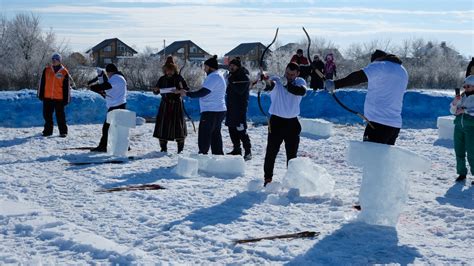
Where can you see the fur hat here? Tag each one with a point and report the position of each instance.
(111, 68)
(377, 54)
(236, 62)
(212, 62)
(170, 64)
(469, 80)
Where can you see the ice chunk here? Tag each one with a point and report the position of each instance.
(187, 167)
(255, 185)
(316, 127)
(446, 127)
(273, 187)
(140, 121)
(310, 178)
(120, 121)
(221, 165)
(384, 188)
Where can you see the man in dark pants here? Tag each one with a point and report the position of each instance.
(387, 82)
(212, 105)
(316, 80)
(284, 124)
(54, 91)
(115, 89)
(237, 101)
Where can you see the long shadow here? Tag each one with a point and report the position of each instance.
(91, 159)
(458, 197)
(144, 178)
(447, 143)
(13, 142)
(313, 137)
(360, 244)
(223, 213)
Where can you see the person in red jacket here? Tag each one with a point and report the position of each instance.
(54, 91)
(302, 62)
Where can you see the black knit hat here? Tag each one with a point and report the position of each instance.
(377, 54)
(212, 62)
(111, 68)
(236, 62)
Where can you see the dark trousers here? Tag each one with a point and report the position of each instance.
(381, 133)
(237, 136)
(209, 134)
(105, 127)
(282, 129)
(50, 106)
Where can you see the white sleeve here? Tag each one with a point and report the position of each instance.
(167, 90)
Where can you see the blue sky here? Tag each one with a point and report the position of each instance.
(220, 25)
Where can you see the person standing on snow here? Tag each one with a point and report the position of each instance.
(387, 82)
(302, 62)
(463, 108)
(115, 90)
(316, 80)
(237, 101)
(170, 124)
(284, 109)
(55, 94)
(330, 67)
(212, 106)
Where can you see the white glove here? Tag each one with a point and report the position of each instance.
(329, 86)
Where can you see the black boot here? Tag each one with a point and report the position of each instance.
(248, 156)
(461, 178)
(235, 152)
(163, 145)
(266, 181)
(180, 145)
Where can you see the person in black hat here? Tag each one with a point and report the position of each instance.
(212, 104)
(387, 82)
(302, 62)
(115, 90)
(237, 101)
(316, 80)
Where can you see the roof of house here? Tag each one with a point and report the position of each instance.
(175, 46)
(244, 48)
(106, 42)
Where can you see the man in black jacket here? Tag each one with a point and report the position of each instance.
(316, 80)
(237, 100)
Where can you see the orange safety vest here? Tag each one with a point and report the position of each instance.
(53, 83)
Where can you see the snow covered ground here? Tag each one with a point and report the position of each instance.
(51, 214)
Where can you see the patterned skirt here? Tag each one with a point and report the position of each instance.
(170, 123)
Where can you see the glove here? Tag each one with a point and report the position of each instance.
(329, 86)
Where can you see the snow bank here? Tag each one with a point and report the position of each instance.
(421, 108)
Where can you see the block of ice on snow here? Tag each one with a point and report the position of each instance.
(445, 126)
(384, 188)
(122, 117)
(310, 178)
(255, 185)
(221, 165)
(120, 121)
(316, 127)
(187, 167)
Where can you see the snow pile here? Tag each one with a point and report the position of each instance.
(221, 165)
(446, 127)
(316, 127)
(420, 109)
(187, 167)
(120, 122)
(309, 178)
(384, 189)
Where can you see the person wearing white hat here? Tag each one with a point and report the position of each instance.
(463, 108)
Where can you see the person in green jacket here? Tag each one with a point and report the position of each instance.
(463, 108)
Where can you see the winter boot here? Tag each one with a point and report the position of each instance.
(248, 156)
(267, 180)
(461, 178)
(180, 145)
(235, 152)
(99, 149)
(163, 145)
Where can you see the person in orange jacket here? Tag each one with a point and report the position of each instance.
(54, 91)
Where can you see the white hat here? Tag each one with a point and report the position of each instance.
(469, 80)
